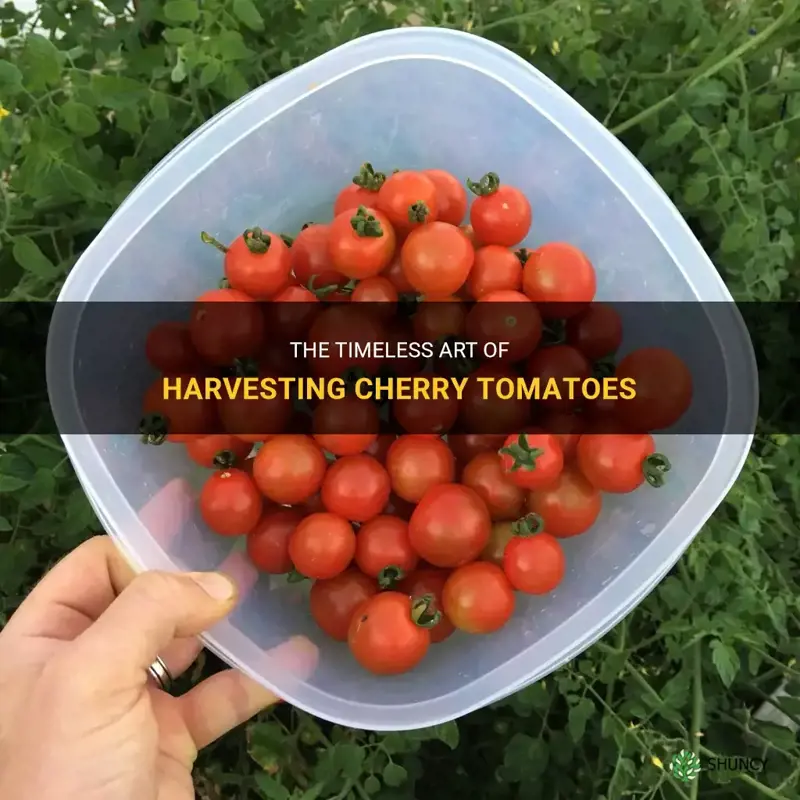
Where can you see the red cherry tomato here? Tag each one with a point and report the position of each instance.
(439, 318)
(225, 325)
(531, 460)
(421, 415)
(495, 269)
(322, 546)
(567, 428)
(503, 498)
(356, 487)
(534, 564)
(345, 427)
(292, 312)
(561, 371)
(408, 199)
(451, 197)
(289, 469)
(363, 191)
(169, 349)
(311, 262)
(268, 542)
(430, 581)
(493, 414)
(375, 290)
(569, 507)
(500, 214)
(361, 243)
(502, 532)
(478, 598)
(258, 263)
(180, 419)
(255, 420)
(219, 450)
(506, 316)
(450, 526)
(620, 463)
(384, 551)
(663, 387)
(230, 503)
(466, 446)
(394, 273)
(385, 635)
(334, 601)
(416, 463)
(596, 331)
(437, 258)
(560, 278)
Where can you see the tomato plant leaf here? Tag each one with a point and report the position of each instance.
(726, 660)
(181, 10)
(246, 11)
(30, 257)
(394, 774)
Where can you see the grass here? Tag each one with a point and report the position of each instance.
(706, 95)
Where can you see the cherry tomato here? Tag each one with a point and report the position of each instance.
(268, 542)
(230, 503)
(450, 526)
(451, 197)
(569, 507)
(561, 371)
(394, 273)
(534, 564)
(363, 191)
(289, 469)
(466, 446)
(501, 535)
(311, 262)
(345, 427)
(355, 327)
(503, 498)
(179, 419)
(322, 546)
(219, 450)
(386, 634)
(663, 386)
(169, 349)
(620, 463)
(560, 278)
(596, 331)
(496, 268)
(430, 581)
(532, 460)
(334, 601)
(258, 263)
(375, 290)
(492, 414)
(254, 420)
(478, 598)
(434, 321)
(416, 463)
(426, 415)
(361, 243)
(383, 550)
(356, 487)
(506, 316)
(567, 428)
(500, 214)
(437, 258)
(225, 325)
(408, 199)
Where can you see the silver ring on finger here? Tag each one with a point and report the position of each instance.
(160, 674)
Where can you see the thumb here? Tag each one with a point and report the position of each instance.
(152, 611)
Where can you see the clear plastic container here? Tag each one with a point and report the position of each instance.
(276, 158)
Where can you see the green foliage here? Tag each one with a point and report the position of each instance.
(705, 93)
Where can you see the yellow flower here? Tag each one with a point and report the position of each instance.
(4, 112)
(657, 762)
(555, 48)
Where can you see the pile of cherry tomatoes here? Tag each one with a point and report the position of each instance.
(408, 536)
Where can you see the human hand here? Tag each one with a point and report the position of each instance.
(79, 717)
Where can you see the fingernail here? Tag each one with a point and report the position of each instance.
(214, 584)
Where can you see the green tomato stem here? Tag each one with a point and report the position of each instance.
(655, 468)
(422, 613)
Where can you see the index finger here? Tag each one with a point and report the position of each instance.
(73, 594)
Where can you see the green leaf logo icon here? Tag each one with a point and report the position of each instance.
(685, 766)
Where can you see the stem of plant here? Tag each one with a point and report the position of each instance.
(422, 613)
(697, 707)
(655, 468)
(207, 238)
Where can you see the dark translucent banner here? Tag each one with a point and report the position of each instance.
(155, 369)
